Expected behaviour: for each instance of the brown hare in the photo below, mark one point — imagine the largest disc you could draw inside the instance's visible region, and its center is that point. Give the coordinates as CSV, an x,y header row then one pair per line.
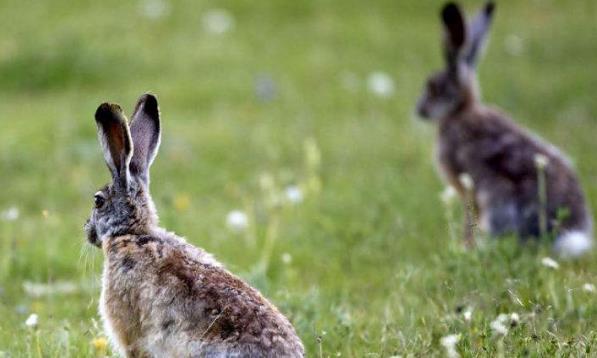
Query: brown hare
x,y
499,159
162,297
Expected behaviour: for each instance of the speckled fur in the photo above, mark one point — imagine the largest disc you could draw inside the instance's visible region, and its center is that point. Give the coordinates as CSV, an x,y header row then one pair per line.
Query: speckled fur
x,y
500,158
162,297
498,155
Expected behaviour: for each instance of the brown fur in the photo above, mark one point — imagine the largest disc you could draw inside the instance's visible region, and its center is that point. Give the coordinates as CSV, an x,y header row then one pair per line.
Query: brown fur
x,y
162,297
499,156
156,285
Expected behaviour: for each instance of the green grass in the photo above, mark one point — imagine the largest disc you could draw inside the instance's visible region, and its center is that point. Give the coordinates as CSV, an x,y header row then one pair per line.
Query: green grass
x,y
374,270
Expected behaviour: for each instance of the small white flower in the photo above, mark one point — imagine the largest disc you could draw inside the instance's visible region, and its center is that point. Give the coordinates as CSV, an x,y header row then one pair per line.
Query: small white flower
x,y
286,258
217,21
498,326
514,319
502,317
294,194
541,161
10,214
154,9
468,314
237,220
449,343
589,287
380,84
32,320
551,263
448,195
466,181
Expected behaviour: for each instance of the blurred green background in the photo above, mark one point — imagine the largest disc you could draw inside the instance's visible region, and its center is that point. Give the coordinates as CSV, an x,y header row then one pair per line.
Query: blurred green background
x,y
262,100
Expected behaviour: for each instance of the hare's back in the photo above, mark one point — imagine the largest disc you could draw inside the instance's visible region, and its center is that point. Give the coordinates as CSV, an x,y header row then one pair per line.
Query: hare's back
x,y
218,310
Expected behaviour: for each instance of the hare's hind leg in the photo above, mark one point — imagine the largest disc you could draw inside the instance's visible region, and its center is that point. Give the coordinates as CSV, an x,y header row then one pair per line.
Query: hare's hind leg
x,y
502,218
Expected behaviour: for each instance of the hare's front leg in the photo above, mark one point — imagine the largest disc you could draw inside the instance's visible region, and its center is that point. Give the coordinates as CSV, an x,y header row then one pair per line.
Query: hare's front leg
x,y
470,224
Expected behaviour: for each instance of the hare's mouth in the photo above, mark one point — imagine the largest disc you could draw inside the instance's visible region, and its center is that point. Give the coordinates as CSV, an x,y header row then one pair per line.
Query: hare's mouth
x,y
92,234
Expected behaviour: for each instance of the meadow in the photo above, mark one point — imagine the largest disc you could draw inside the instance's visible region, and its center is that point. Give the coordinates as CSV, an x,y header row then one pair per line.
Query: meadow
x,y
296,116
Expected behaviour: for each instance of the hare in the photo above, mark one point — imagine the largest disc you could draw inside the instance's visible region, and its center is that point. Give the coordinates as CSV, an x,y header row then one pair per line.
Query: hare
x,y
162,297
517,183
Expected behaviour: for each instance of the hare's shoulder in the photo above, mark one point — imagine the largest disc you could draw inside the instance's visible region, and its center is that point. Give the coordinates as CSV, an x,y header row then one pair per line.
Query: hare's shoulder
x,y
168,262
237,311
214,285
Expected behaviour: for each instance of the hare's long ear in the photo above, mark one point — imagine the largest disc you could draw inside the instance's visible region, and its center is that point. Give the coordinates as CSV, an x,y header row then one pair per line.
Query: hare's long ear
x,y
115,139
454,33
145,131
478,34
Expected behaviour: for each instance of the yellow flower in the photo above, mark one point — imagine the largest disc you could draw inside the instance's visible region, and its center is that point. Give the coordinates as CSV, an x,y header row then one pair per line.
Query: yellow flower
x,y
100,344
182,202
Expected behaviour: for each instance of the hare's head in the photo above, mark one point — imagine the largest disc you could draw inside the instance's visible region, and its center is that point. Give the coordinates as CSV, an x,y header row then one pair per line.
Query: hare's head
x,y
124,206
454,88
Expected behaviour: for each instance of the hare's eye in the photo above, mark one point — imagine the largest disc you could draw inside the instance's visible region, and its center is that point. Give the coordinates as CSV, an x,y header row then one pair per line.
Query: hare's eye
x,y
433,89
98,200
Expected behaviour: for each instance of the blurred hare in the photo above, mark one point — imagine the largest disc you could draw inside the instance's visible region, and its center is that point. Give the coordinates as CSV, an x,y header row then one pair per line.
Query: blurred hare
x,y
162,297
498,159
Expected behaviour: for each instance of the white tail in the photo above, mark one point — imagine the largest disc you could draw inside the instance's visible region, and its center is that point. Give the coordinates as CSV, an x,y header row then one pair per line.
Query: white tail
x,y
572,244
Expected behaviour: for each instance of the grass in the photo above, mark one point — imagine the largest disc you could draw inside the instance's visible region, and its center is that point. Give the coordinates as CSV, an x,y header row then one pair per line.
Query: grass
x,y
366,265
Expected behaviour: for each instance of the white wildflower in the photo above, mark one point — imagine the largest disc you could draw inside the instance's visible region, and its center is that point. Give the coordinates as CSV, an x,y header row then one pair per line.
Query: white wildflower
x,y
589,287
380,84
237,220
448,195
294,194
466,181
551,263
541,161
10,214
468,314
514,319
449,343
286,258
498,326
32,320
154,9
217,21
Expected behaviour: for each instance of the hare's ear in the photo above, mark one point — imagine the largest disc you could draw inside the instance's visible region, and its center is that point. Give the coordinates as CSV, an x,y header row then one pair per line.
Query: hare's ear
x,y
478,34
115,139
454,33
145,131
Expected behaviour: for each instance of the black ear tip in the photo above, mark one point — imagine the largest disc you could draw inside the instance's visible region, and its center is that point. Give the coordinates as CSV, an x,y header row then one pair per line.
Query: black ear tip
x,y
149,102
450,10
149,98
106,110
489,8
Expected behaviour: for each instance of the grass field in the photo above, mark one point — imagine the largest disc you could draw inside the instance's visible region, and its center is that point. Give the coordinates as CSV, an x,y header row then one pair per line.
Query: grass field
x,y
260,96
